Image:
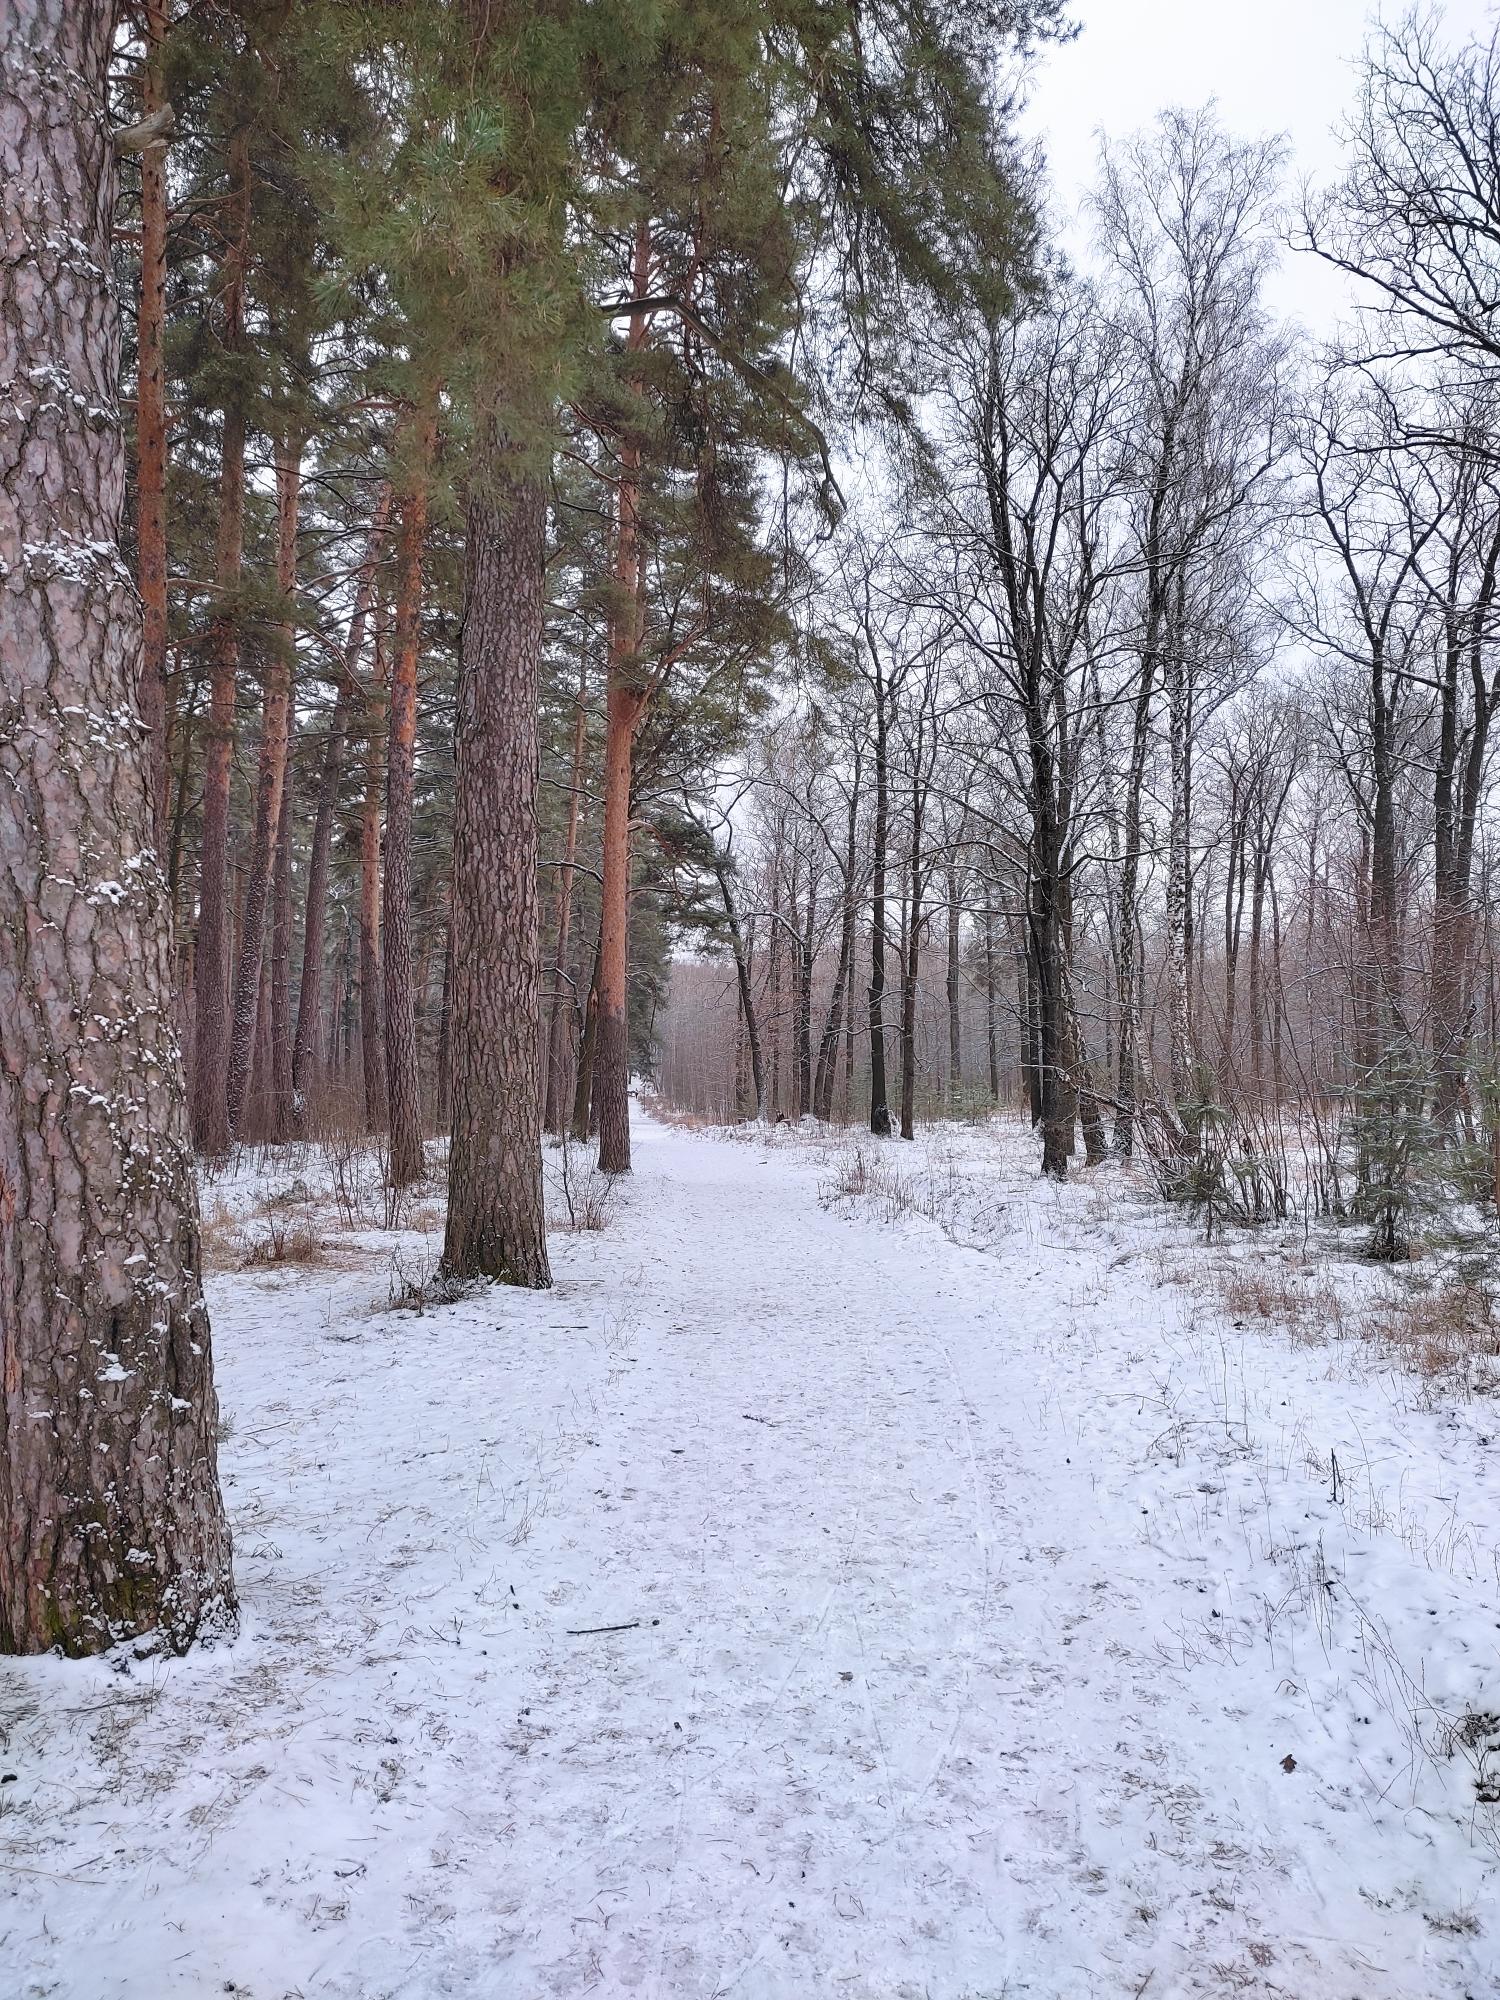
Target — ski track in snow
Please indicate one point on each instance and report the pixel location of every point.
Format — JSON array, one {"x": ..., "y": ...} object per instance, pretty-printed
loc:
[{"x": 982, "y": 1595}]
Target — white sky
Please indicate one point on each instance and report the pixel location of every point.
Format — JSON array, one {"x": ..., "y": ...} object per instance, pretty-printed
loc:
[{"x": 1275, "y": 66}]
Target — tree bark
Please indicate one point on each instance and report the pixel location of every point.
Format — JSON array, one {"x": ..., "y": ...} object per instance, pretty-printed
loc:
[
  {"x": 828, "y": 1048},
  {"x": 1132, "y": 1065},
  {"x": 151, "y": 420},
  {"x": 315, "y": 908},
  {"x": 624, "y": 708},
  {"x": 992, "y": 1047},
  {"x": 625, "y": 704},
  {"x": 910, "y": 962},
  {"x": 496, "y": 1223},
  {"x": 275, "y": 741},
  {"x": 806, "y": 962},
  {"x": 743, "y": 981},
  {"x": 281, "y": 1102},
  {"x": 880, "y": 1110},
  {"x": 583, "y": 1079},
  {"x": 371, "y": 1043},
  {"x": 211, "y": 950},
  {"x": 955, "y": 1028},
  {"x": 403, "y": 1098},
  {"x": 1179, "y": 860},
  {"x": 559, "y": 1011},
  {"x": 111, "y": 1525}
]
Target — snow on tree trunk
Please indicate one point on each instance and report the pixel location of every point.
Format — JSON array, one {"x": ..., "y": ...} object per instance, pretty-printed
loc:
[{"x": 111, "y": 1524}]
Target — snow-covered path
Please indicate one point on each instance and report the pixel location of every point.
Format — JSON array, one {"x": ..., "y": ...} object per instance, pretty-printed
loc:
[{"x": 943, "y": 1677}]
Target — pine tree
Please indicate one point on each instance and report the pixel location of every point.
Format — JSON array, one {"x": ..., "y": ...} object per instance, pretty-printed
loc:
[{"x": 111, "y": 1523}]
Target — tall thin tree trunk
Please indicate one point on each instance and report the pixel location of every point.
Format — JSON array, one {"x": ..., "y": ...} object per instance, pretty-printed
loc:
[
  {"x": 281, "y": 1103},
  {"x": 880, "y": 1110},
  {"x": 211, "y": 950},
  {"x": 1030, "y": 1014},
  {"x": 496, "y": 1223},
  {"x": 910, "y": 965},
  {"x": 403, "y": 1093},
  {"x": 955, "y": 1043},
  {"x": 1178, "y": 886},
  {"x": 992, "y": 1043},
  {"x": 275, "y": 738},
  {"x": 444, "y": 1106},
  {"x": 1128, "y": 969},
  {"x": 371, "y": 1041},
  {"x": 842, "y": 997},
  {"x": 625, "y": 705},
  {"x": 581, "y": 1123},
  {"x": 1256, "y": 996},
  {"x": 746, "y": 991},
  {"x": 560, "y": 1012},
  {"x": 1048, "y": 954},
  {"x": 111, "y": 1525},
  {"x": 1234, "y": 910},
  {"x": 806, "y": 961},
  {"x": 315, "y": 910},
  {"x": 612, "y": 1051}
]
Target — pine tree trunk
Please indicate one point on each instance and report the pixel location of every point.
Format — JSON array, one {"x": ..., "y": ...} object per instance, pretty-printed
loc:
[
  {"x": 559, "y": 1012},
  {"x": 371, "y": 1042},
  {"x": 403, "y": 1097},
  {"x": 444, "y": 1080},
  {"x": 315, "y": 910},
  {"x": 212, "y": 948},
  {"x": 280, "y": 1114},
  {"x": 111, "y": 1524},
  {"x": 496, "y": 1223},
  {"x": 624, "y": 707},
  {"x": 275, "y": 741},
  {"x": 255, "y": 1123},
  {"x": 581, "y": 1124},
  {"x": 151, "y": 420}
]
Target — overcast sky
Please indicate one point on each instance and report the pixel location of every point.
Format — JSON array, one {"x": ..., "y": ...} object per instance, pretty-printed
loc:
[{"x": 1274, "y": 66}]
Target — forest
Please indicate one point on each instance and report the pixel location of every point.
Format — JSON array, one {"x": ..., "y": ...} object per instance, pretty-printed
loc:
[{"x": 749, "y": 969}]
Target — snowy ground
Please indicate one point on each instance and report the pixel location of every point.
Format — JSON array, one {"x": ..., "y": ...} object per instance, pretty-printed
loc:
[{"x": 996, "y": 1627}]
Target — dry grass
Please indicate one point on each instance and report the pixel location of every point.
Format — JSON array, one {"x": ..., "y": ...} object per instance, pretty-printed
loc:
[
  {"x": 585, "y": 1192},
  {"x": 865, "y": 1173},
  {"x": 220, "y": 1239},
  {"x": 283, "y": 1240},
  {"x": 1308, "y": 1308},
  {"x": 1445, "y": 1331},
  {"x": 671, "y": 1114},
  {"x": 1449, "y": 1332}
]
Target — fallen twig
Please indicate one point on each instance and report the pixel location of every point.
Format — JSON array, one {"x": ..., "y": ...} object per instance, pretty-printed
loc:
[{"x": 588, "y": 1631}]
